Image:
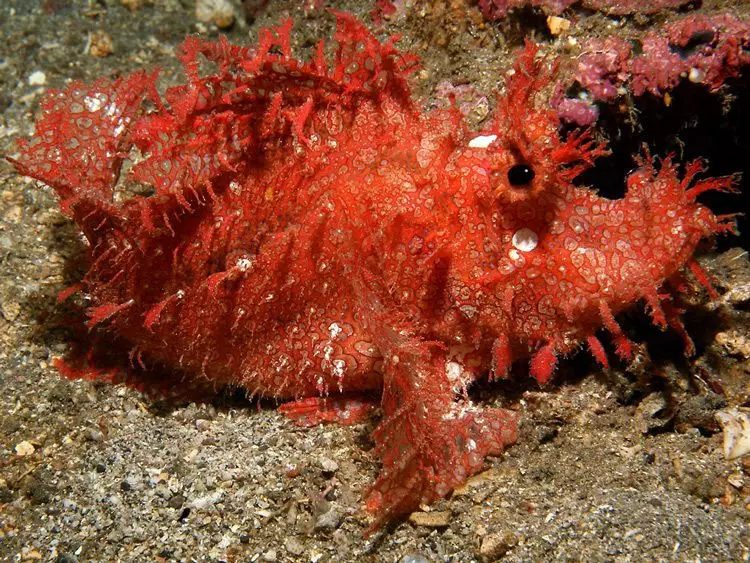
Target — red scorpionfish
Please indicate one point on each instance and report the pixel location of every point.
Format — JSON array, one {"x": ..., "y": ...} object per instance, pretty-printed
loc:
[{"x": 313, "y": 233}]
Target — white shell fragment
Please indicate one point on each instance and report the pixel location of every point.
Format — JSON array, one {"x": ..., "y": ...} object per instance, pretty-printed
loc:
[
  {"x": 482, "y": 141},
  {"x": 37, "y": 78},
  {"x": 525, "y": 240},
  {"x": 735, "y": 425},
  {"x": 25, "y": 448}
]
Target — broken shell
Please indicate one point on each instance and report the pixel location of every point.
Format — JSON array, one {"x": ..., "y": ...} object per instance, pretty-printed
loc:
[{"x": 736, "y": 428}]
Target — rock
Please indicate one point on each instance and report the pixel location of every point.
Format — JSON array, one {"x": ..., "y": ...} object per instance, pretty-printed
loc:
[
  {"x": 132, "y": 5},
  {"x": 414, "y": 557},
  {"x": 100, "y": 44},
  {"x": 93, "y": 435},
  {"x": 293, "y": 546},
  {"x": 437, "y": 519},
  {"x": 37, "y": 78},
  {"x": 735, "y": 425},
  {"x": 329, "y": 466},
  {"x": 176, "y": 501},
  {"x": 496, "y": 545},
  {"x": 218, "y": 12},
  {"x": 557, "y": 25},
  {"x": 25, "y": 448},
  {"x": 734, "y": 343},
  {"x": 328, "y": 521},
  {"x": 645, "y": 418}
]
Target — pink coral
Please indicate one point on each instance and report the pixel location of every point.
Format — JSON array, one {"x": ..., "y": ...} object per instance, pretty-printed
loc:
[
  {"x": 496, "y": 9},
  {"x": 707, "y": 50},
  {"x": 313, "y": 234},
  {"x": 704, "y": 50}
]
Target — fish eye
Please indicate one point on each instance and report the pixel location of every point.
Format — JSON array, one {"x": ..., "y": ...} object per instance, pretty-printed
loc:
[{"x": 520, "y": 175}]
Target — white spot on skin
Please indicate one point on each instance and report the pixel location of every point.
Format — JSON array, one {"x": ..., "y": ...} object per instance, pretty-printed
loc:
[
  {"x": 525, "y": 240},
  {"x": 334, "y": 330},
  {"x": 453, "y": 371},
  {"x": 339, "y": 367},
  {"x": 93, "y": 103},
  {"x": 482, "y": 141},
  {"x": 243, "y": 264}
]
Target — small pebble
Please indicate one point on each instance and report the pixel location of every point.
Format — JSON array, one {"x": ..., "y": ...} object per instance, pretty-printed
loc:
[
  {"x": 94, "y": 435},
  {"x": 176, "y": 501},
  {"x": 218, "y": 12},
  {"x": 37, "y": 78},
  {"x": 735, "y": 426},
  {"x": 437, "y": 519},
  {"x": 100, "y": 44},
  {"x": 696, "y": 75},
  {"x": 328, "y": 521},
  {"x": 294, "y": 546},
  {"x": 132, "y": 5},
  {"x": 414, "y": 557},
  {"x": 329, "y": 465},
  {"x": 25, "y": 448},
  {"x": 495, "y": 546},
  {"x": 557, "y": 25}
]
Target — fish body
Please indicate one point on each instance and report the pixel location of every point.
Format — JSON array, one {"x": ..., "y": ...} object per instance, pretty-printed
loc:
[{"x": 313, "y": 234}]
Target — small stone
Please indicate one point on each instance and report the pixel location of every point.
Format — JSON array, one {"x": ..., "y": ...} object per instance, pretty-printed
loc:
[
  {"x": 218, "y": 12},
  {"x": 696, "y": 75},
  {"x": 202, "y": 424},
  {"x": 735, "y": 343},
  {"x": 94, "y": 435},
  {"x": 557, "y": 25},
  {"x": 100, "y": 44},
  {"x": 496, "y": 545},
  {"x": 735, "y": 425},
  {"x": 292, "y": 470},
  {"x": 270, "y": 555},
  {"x": 329, "y": 466},
  {"x": 37, "y": 78},
  {"x": 293, "y": 546},
  {"x": 176, "y": 501},
  {"x": 736, "y": 480},
  {"x": 437, "y": 519},
  {"x": 10, "y": 310},
  {"x": 646, "y": 415},
  {"x": 328, "y": 521},
  {"x": 132, "y": 5},
  {"x": 25, "y": 448}
]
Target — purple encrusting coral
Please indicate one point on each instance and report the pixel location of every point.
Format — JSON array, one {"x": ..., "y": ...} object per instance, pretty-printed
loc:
[
  {"x": 704, "y": 50},
  {"x": 496, "y": 9}
]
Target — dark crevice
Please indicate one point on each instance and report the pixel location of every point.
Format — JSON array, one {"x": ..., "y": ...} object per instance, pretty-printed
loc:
[{"x": 690, "y": 123}]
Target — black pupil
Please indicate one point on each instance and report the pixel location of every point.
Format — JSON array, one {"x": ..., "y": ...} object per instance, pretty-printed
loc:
[{"x": 520, "y": 175}]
